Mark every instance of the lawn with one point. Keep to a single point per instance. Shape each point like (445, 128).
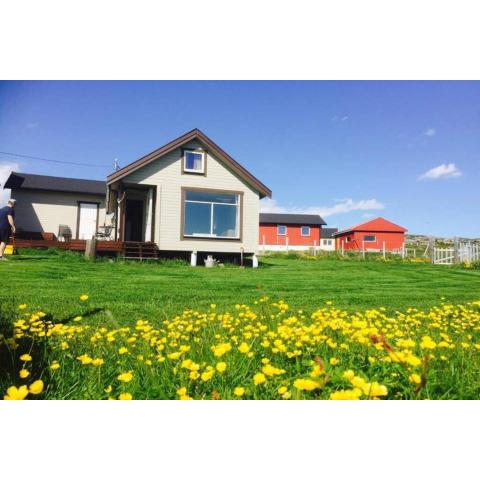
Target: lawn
(131, 290)
(301, 329)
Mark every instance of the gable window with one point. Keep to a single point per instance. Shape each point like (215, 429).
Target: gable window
(211, 214)
(281, 230)
(369, 238)
(193, 161)
(305, 231)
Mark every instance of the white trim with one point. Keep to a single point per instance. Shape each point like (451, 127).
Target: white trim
(190, 170)
(302, 227)
(282, 234)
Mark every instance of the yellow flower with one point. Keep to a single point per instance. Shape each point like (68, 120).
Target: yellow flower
(14, 393)
(181, 391)
(270, 370)
(122, 350)
(317, 370)
(55, 365)
(207, 375)
(193, 375)
(239, 391)
(125, 396)
(353, 394)
(243, 348)
(334, 361)
(24, 373)
(36, 387)
(221, 367)
(23, 306)
(125, 377)
(306, 384)
(84, 297)
(96, 362)
(282, 390)
(415, 378)
(26, 357)
(77, 318)
(427, 343)
(108, 389)
(259, 378)
(85, 359)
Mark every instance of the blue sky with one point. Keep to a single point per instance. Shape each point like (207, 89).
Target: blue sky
(408, 151)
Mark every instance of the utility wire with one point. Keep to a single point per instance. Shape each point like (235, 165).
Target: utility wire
(54, 161)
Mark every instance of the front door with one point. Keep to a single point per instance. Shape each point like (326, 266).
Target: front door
(87, 220)
(134, 220)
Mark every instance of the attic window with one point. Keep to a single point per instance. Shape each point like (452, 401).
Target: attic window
(305, 231)
(193, 161)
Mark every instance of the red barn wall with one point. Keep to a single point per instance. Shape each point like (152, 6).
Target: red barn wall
(293, 234)
(393, 240)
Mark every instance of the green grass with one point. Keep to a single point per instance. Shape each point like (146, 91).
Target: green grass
(132, 290)
(120, 293)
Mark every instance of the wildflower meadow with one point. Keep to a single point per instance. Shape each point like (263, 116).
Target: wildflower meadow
(265, 350)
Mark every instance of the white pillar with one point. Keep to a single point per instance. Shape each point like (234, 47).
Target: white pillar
(255, 261)
(193, 259)
(149, 216)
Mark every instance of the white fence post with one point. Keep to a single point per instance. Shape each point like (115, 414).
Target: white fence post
(363, 248)
(384, 252)
(286, 242)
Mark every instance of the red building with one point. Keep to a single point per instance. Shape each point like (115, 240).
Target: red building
(282, 231)
(374, 235)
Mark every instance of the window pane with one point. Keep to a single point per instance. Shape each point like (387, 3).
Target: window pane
(281, 230)
(211, 197)
(369, 238)
(305, 231)
(225, 220)
(197, 219)
(193, 161)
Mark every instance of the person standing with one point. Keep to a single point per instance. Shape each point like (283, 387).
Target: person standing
(7, 225)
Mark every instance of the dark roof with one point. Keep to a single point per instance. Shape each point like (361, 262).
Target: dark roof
(178, 142)
(291, 218)
(58, 184)
(328, 232)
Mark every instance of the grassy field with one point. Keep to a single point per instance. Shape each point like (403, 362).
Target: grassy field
(156, 291)
(300, 329)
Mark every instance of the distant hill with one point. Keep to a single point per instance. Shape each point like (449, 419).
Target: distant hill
(421, 241)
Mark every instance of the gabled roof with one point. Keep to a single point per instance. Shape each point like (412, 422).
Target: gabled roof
(178, 142)
(379, 224)
(328, 232)
(291, 218)
(60, 184)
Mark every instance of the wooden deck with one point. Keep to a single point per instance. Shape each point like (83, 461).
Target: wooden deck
(43, 240)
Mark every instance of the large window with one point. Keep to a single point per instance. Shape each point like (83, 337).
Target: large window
(193, 161)
(211, 214)
(369, 238)
(281, 230)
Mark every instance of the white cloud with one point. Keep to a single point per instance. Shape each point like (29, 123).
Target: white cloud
(344, 206)
(430, 132)
(339, 118)
(442, 171)
(6, 168)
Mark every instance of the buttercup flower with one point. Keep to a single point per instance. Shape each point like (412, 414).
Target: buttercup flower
(36, 387)
(84, 297)
(125, 377)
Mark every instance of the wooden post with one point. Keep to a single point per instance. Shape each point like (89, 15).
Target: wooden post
(90, 248)
(456, 255)
(384, 252)
(286, 242)
(343, 249)
(315, 248)
(363, 249)
(414, 252)
(263, 243)
(431, 249)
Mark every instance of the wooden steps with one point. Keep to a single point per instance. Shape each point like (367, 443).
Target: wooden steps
(140, 251)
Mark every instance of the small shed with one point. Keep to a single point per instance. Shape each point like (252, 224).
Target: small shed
(374, 235)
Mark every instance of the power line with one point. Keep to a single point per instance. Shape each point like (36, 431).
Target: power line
(54, 161)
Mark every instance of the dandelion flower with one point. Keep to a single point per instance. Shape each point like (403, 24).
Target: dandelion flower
(24, 373)
(334, 361)
(415, 378)
(96, 362)
(125, 377)
(26, 357)
(239, 391)
(55, 365)
(243, 348)
(122, 350)
(259, 378)
(23, 306)
(306, 384)
(84, 297)
(125, 396)
(221, 367)
(282, 390)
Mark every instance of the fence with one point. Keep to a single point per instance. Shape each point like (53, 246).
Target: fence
(460, 253)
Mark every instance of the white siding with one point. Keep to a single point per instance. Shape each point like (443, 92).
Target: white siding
(44, 211)
(166, 174)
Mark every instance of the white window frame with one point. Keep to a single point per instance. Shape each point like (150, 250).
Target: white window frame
(301, 231)
(370, 241)
(282, 234)
(211, 234)
(191, 170)
(327, 242)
